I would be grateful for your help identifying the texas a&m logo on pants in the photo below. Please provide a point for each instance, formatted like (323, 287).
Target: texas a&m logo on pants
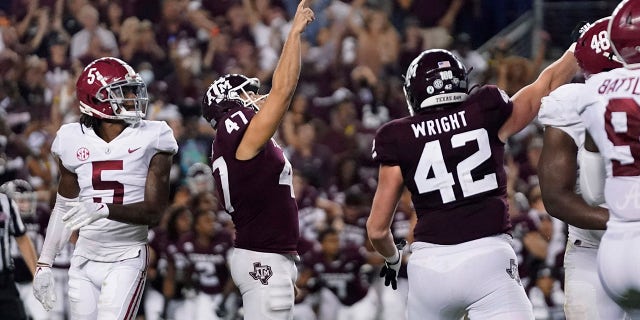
(262, 273)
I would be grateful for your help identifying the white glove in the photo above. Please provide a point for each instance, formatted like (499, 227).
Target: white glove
(391, 268)
(84, 213)
(43, 286)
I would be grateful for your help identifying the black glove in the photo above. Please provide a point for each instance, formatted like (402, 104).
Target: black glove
(390, 269)
(221, 310)
(579, 29)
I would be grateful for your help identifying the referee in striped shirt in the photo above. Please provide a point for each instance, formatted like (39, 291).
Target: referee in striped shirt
(11, 226)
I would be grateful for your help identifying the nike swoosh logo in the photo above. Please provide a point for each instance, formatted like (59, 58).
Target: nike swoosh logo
(101, 206)
(133, 150)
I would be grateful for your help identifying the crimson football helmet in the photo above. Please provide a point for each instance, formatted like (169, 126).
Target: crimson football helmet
(229, 91)
(22, 193)
(434, 78)
(624, 32)
(108, 88)
(593, 49)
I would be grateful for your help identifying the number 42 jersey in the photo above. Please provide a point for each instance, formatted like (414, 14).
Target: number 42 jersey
(452, 161)
(112, 172)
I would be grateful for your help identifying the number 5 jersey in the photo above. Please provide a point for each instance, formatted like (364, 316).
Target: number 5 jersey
(112, 172)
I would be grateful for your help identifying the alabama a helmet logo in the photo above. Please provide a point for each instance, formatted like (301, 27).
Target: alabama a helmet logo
(262, 273)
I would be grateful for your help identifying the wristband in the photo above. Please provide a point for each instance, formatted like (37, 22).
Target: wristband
(394, 258)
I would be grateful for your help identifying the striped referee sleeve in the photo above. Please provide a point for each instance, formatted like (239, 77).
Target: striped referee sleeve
(10, 225)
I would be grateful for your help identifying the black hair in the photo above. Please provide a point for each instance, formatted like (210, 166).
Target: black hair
(89, 121)
(174, 213)
(326, 232)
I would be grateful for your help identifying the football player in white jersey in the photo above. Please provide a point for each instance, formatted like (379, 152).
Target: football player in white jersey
(575, 199)
(114, 183)
(610, 110)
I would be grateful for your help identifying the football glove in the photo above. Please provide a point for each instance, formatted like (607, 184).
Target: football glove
(221, 311)
(43, 288)
(391, 268)
(84, 213)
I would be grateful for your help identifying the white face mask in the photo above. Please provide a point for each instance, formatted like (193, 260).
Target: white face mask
(147, 76)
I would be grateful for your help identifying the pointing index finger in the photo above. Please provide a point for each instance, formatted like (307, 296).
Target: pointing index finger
(304, 4)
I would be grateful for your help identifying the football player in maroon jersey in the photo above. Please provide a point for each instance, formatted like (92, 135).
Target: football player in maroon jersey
(450, 154)
(254, 179)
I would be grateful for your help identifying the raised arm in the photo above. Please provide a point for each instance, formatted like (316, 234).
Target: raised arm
(285, 79)
(526, 102)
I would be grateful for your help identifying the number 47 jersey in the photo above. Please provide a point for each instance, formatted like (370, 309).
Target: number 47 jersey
(257, 193)
(452, 161)
(610, 109)
(114, 172)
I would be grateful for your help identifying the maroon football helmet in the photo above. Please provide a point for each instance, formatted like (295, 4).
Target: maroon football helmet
(229, 91)
(434, 78)
(624, 32)
(593, 49)
(108, 88)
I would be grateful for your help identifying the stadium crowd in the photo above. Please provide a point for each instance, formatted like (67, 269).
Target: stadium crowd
(354, 56)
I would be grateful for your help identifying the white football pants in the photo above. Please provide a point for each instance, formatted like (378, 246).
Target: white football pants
(585, 298)
(107, 290)
(266, 282)
(479, 277)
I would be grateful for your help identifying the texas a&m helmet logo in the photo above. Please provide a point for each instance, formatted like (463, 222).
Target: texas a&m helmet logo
(262, 273)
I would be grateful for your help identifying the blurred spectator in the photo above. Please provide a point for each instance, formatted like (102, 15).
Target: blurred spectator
(315, 210)
(437, 20)
(529, 168)
(312, 159)
(473, 60)
(92, 34)
(341, 136)
(42, 165)
(194, 147)
(297, 115)
(167, 276)
(546, 296)
(205, 251)
(412, 43)
(355, 212)
(269, 27)
(345, 271)
(347, 178)
(35, 92)
(59, 65)
(378, 42)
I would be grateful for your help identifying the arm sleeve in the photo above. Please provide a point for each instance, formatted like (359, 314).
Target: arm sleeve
(592, 177)
(57, 234)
